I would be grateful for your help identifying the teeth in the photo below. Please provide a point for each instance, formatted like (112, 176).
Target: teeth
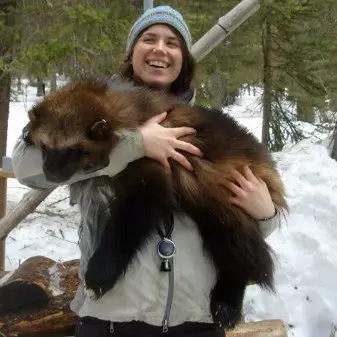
(160, 64)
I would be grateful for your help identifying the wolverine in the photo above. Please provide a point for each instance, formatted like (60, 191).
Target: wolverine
(78, 126)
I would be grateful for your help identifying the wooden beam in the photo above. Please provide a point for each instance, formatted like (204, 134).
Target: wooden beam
(267, 328)
(6, 174)
(26, 205)
(225, 26)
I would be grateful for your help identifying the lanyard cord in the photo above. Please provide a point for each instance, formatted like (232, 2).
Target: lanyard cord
(168, 225)
(166, 250)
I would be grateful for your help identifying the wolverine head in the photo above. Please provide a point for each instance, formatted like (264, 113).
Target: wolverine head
(70, 127)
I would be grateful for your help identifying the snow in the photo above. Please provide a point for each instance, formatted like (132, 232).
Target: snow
(305, 246)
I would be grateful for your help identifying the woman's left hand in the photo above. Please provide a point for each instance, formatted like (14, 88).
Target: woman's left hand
(251, 194)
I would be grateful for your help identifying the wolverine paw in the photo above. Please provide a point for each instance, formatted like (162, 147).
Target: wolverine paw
(226, 316)
(92, 293)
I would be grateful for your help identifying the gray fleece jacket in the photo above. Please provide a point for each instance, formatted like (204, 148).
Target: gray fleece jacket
(141, 294)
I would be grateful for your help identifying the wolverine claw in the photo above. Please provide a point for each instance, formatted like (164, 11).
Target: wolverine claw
(92, 293)
(226, 316)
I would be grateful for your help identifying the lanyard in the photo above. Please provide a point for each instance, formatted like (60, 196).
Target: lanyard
(166, 250)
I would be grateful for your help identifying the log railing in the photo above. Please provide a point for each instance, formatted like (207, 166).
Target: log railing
(9, 221)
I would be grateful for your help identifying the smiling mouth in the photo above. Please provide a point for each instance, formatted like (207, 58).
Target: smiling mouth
(157, 64)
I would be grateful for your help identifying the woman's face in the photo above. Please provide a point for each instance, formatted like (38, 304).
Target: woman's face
(157, 57)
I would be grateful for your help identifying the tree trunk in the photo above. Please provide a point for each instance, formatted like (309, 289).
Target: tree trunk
(334, 147)
(19, 84)
(41, 89)
(305, 112)
(267, 78)
(53, 84)
(217, 88)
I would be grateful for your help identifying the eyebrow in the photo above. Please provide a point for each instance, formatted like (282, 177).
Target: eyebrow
(155, 35)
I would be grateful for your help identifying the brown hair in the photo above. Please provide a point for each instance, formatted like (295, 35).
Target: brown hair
(186, 75)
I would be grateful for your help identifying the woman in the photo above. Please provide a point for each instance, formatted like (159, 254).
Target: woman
(157, 56)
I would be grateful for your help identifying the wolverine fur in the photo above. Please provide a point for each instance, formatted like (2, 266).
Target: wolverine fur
(77, 127)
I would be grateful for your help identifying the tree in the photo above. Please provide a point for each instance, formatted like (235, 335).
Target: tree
(334, 146)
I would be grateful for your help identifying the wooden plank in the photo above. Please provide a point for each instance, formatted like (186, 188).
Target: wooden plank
(6, 174)
(267, 328)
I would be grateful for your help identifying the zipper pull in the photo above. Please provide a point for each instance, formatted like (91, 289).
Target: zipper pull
(165, 325)
(112, 329)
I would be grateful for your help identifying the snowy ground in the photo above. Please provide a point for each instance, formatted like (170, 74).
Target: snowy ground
(306, 245)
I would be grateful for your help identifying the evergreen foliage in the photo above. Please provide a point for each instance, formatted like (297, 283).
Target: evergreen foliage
(84, 37)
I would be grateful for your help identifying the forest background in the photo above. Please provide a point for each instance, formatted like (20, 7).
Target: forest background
(288, 48)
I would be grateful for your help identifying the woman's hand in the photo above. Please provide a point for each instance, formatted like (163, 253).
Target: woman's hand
(251, 194)
(161, 143)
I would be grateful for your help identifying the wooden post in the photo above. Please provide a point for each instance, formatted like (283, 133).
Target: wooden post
(5, 82)
(3, 188)
(4, 107)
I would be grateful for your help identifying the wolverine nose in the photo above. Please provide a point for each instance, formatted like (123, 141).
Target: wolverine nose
(60, 165)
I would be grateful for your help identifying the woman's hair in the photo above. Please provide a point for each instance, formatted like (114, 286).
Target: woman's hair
(186, 75)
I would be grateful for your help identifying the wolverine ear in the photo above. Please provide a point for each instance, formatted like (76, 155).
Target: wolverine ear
(100, 130)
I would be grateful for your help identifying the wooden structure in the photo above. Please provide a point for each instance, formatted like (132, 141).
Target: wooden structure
(3, 198)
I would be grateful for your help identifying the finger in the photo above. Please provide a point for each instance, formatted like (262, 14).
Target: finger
(158, 118)
(238, 191)
(250, 176)
(188, 147)
(166, 164)
(183, 131)
(262, 182)
(240, 179)
(235, 201)
(181, 159)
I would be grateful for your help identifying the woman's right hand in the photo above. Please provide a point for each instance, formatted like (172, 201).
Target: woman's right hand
(161, 143)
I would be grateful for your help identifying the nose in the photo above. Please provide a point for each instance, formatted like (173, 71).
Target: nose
(159, 47)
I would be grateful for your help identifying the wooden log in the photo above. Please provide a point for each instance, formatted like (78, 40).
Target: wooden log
(225, 26)
(267, 328)
(52, 316)
(26, 206)
(55, 317)
(28, 285)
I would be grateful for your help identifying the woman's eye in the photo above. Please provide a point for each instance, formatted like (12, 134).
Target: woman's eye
(173, 45)
(148, 40)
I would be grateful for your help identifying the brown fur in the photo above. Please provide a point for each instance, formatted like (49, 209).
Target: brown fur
(83, 120)
(72, 110)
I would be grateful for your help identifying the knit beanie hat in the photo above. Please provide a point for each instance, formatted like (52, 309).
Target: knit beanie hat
(160, 15)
